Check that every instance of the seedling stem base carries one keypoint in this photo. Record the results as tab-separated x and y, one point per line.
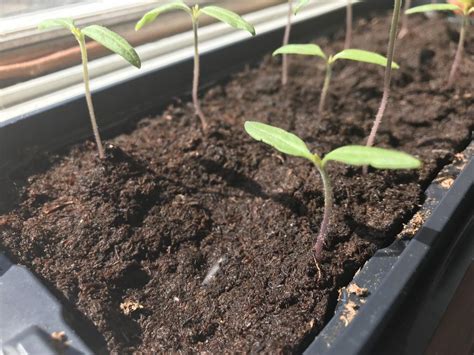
90	105
197	105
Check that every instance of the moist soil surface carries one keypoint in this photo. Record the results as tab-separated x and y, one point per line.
129	241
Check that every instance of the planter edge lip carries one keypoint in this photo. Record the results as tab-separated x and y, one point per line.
44	323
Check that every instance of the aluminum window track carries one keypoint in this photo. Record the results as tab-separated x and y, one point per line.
22	29
34	95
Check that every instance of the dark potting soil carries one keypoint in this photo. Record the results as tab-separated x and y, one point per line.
129	241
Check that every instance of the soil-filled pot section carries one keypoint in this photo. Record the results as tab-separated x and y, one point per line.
129	241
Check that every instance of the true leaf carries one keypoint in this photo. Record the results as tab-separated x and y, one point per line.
433	7
377	157
66	23
279	139
150	16
300	5
360	55
229	17
114	42
302	49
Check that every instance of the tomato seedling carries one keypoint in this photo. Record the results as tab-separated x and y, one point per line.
286	36
223	15
356	155
357	55
463	7
108	39
388	74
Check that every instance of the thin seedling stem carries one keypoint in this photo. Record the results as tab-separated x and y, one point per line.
286	39
90	106
404	27
459	52
348	41
328	201
197	105
325	90
388	74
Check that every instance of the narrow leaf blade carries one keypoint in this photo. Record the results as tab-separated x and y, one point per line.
114	42
66	23
300	5
379	158
229	17
433	7
360	55
302	49
279	139
150	16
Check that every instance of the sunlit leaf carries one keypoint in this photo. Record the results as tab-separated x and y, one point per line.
150	16
300	5
279	139
302	49
377	157
433	7
360	55
114	42
229	17
66	23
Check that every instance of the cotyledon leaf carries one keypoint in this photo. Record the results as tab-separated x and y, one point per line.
360	55
114	42
302	49
379	158
279	139
151	15
433	7
229	17
300	5
66	23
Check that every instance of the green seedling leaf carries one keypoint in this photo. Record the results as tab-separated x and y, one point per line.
360	55
433	7
114	42
303	49
229	17
279	139
150	16
300	5
377	157
66	23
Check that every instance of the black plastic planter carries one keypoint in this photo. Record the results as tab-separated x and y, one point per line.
31	312
416	275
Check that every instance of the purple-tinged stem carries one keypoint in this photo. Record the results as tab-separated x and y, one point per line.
328	201
197	105
404	28
325	90
90	106
459	53
286	40
388	74
348	41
